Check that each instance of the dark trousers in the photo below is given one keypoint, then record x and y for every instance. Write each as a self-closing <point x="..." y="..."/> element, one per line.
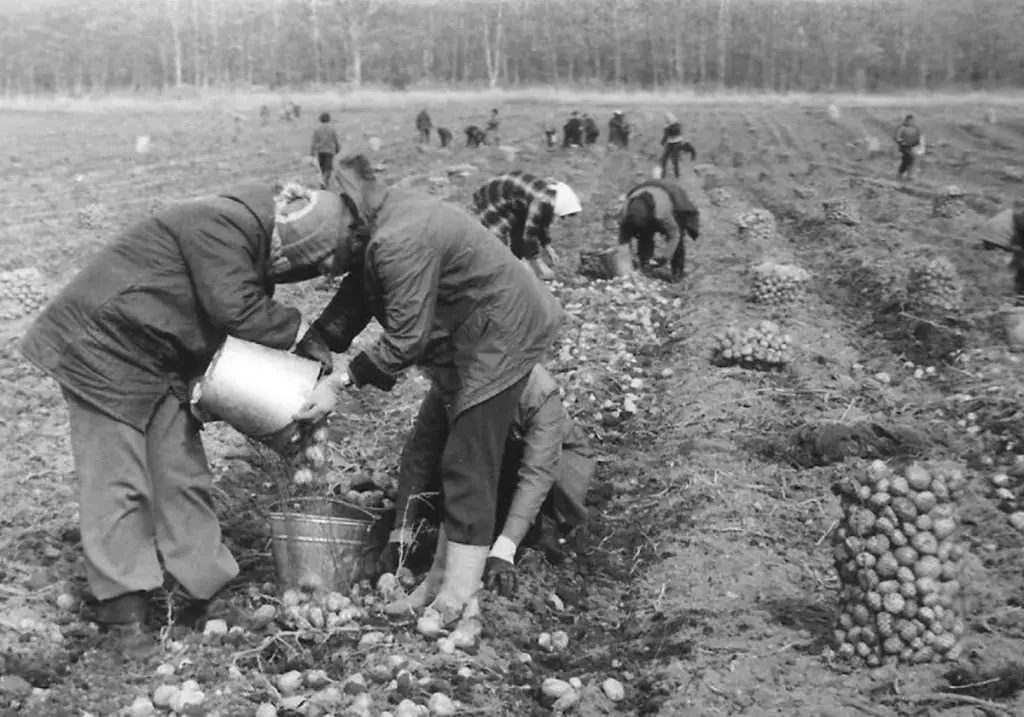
<point x="425" y="135"/>
<point x="471" y="464"/>
<point x="672" y="151"/>
<point x="907" y="159"/>
<point x="325" y="160"/>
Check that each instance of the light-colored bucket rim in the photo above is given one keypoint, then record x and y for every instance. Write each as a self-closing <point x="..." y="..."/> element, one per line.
<point x="274" y="509"/>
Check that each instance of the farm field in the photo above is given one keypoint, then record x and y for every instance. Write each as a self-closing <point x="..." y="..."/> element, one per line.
<point x="704" y="581"/>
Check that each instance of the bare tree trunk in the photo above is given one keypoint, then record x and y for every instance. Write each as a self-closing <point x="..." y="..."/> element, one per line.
<point x="723" y="41"/>
<point x="197" y="47"/>
<point x="617" y="39"/>
<point x="492" y="45"/>
<point x="216" y="66"/>
<point x="172" y="13"/>
<point x="314" y="19"/>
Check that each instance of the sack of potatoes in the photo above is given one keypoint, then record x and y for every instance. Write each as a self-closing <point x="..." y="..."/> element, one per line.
<point x="756" y="225"/>
<point x="934" y="283"/>
<point x="763" y="347"/>
<point x="777" y="283"/>
<point x="898" y="554"/>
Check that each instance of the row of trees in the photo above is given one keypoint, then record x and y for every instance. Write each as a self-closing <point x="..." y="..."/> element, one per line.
<point x="76" y="46"/>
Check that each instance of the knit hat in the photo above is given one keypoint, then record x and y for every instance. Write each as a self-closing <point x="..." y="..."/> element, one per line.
<point x="307" y="228"/>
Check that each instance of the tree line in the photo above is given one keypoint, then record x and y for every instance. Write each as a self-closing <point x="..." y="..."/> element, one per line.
<point x="89" y="46"/>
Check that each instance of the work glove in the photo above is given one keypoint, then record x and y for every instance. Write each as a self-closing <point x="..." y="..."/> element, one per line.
<point x="500" y="577"/>
<point x="312" y="346"/>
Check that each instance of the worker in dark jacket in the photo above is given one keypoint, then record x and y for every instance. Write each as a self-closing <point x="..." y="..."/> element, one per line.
<point x="445" y="136"/>
<point x="1005" y="232"/>
<point x="591" y="133"/>
<point x="672" y="141"/>
<point x="572" y="132"/>
<point x="659" y="207"/>
<point x="493" y="126"/>
<point x="124" y="339"/>
<point x="907" y="138"/>
<point x="456" y="303"/>
<point x="324" y="148"/>
<point x="424" y="125"/>
<point x="475" y="137"/>
<point x="546" y="472"/>
<point x="618" y="130"/>
<point x="519" y="209"/>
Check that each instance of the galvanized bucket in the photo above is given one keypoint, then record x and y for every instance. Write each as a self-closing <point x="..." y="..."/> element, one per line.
<point x="327" y="542"/>
<point x="617" y="261"/>
<point x="257" y="389"/>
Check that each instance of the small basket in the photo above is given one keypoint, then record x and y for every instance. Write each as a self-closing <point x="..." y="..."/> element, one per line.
<point x="329" y="543"/>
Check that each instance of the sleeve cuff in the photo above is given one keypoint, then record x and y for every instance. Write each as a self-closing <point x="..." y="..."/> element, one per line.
<point x="401" y="536"/>
<point x="364" y="371"/>
<point x="504" y="549"/>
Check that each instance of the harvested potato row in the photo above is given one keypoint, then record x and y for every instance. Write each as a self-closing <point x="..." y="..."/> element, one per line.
<point x="949" y="203"/>
<point x="762" y="347"/>
<point x="773" y="283"/>
<point x="935" y="283"/>
<point x="756" y="225"/>
<point x="841" y="211"/>
<point x="22" y="292"/>
<point x="899" y="557"/>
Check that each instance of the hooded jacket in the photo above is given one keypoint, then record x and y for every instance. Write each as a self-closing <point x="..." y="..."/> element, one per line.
<point x="550" y="453"/>
<point x="655" y="206"/>
<point x="449" y="298"/>
<point x="153" y="306"/>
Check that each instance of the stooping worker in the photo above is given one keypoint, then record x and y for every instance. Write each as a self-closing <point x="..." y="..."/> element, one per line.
<point x="657" y="206"/>
<point x="424" y="125"/>
<point x="124" y="339"/>
<point x="456" y="303"/>
<point x="1005" y="232"/>
<point x="572" y="131"/>
<point x="618" y="130"/>
<point x="519" y="208"/>
<point x="672" y="140"/>
<point x="908" y="138"/>
<point x="591" y="133"/>
<point x="325" y="148"/>
<point x="545" y="476"/>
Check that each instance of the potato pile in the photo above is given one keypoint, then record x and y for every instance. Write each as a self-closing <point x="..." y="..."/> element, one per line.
<point x="841" y="211"/>
<point x="949" y="203"/>
<point x="439" y="186"/>
<point x="762" y="347"/>
<point x="756" y="225"/>
<point x="778" y="283"/>
<point x="92" y="216"/>
<point x="898" y="556"/>
<point x="934" y="283"/>
<point x="22" y="292"/>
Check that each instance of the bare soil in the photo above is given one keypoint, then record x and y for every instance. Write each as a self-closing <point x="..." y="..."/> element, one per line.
<point x="704" y="580"/>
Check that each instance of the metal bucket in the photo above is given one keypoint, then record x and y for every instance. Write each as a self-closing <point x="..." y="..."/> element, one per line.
<point x="1013" y="323"/>
<point x="329" y="542"/>
<point x="617" y="261"/>
<point x="257" y="389"/>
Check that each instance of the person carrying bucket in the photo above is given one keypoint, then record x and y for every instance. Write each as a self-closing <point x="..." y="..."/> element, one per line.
<point x="459" y="305"/>
<point x="657" y="206"/>
<point x="124" y="339"/>
<point x="519" y="209"/>
<point x="545" y="475"/>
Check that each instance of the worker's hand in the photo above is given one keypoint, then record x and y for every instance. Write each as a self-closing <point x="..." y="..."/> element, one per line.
<point x="323" y="399"/>
<point x="500" y="577"/>
<point x="551" y="255"/>
<point x="312" y="346"/>
<point x="540" y="269"/>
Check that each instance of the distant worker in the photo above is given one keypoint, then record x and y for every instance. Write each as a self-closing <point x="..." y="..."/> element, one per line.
<point x="672" y="140"/>
<point x="618" y="130"/>
<point x="549" y="136"/>
<point x="493" y="124"/>
<point x="475" y="136"/>
<point x="908" y="139"/>
<point x="445" y="135"/>
<point x="573" y="131"/>
<point x="424" y="125"/>
<point x="1005" y="231"/>
<point x="590" y="131"/>
<point x="658" y="206"/>
<point x="324" y="148"/>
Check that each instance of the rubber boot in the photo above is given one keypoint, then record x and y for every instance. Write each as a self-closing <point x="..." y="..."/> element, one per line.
<point x="431" y="585"/>
<point x="463" y="575"/>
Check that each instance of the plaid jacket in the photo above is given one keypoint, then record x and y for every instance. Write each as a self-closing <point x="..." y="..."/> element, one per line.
<point x="518" y="208"/>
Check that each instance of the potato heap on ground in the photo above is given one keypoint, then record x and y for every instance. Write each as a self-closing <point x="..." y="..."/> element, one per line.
<point x="312" y="467"/>
<point x="898" y="556"/>
<point x="934" y="283"/>
<point x="949" y="203"/>
<point x="719" y="196"/>
<point x="22" y="292"/>
<point x="598" y="361"/>
<point x="756" y="225"/>
<point x="778" y="283"/>
<point x="92" y="216"/>
<point x="841" y="211"/>
<point x="762" y="347"/>
<point x="439" y="186"/>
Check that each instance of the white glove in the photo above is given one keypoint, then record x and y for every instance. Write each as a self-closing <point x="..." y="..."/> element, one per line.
<point x="504" y="549"/>
<point x="303" y="328"/>
<point x="402" y="536"/>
